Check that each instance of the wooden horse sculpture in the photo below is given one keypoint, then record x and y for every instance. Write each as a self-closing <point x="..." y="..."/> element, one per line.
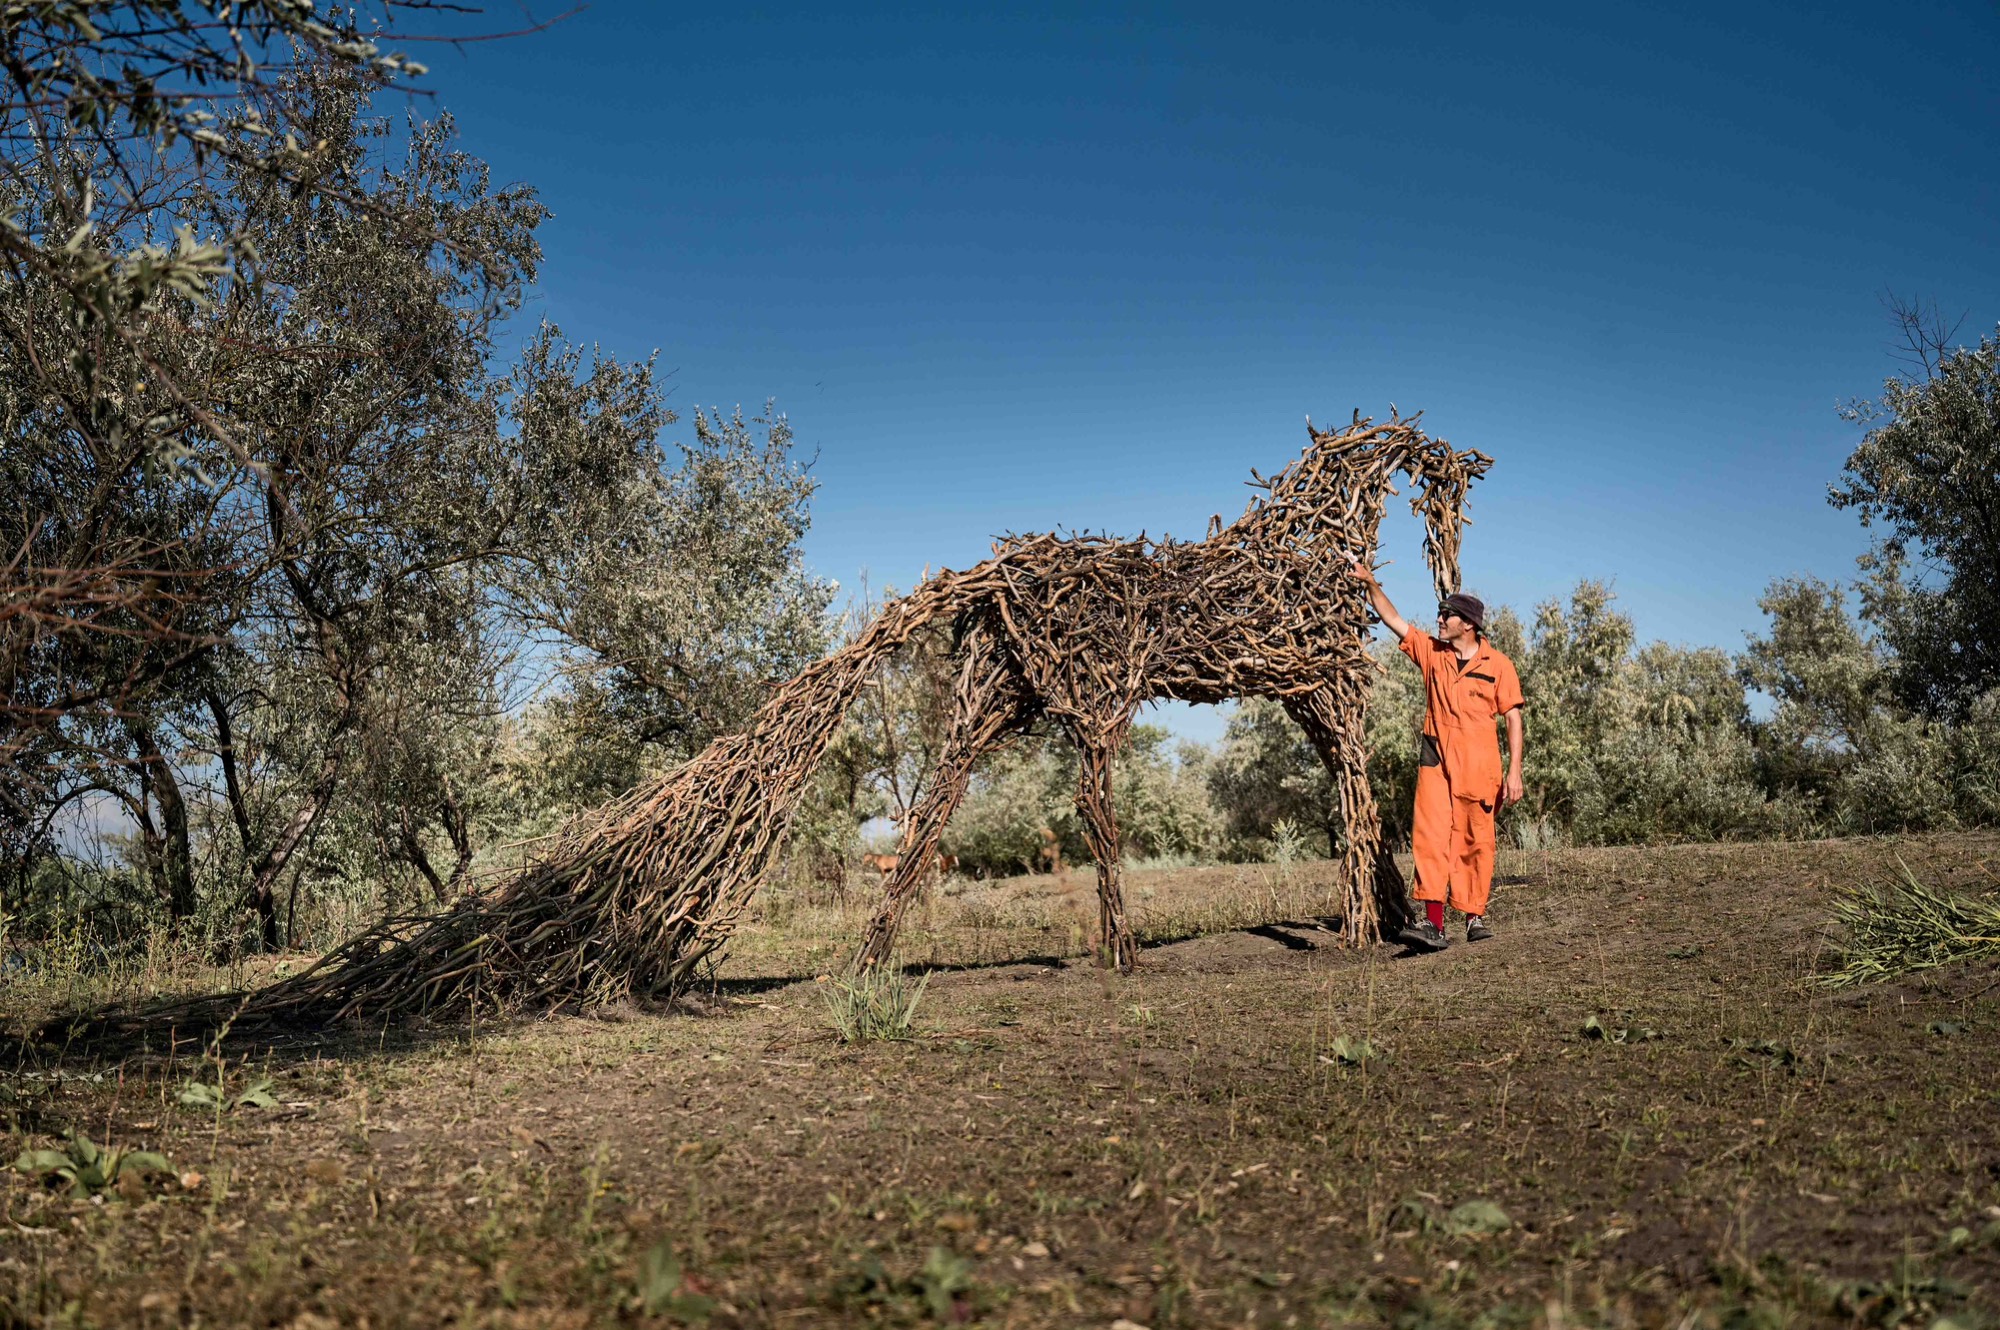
<point x="1084" y="630"/>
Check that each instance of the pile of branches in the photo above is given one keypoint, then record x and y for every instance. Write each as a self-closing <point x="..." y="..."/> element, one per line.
<point x="1081" y="630"/>
<point x="1905" y="925"/>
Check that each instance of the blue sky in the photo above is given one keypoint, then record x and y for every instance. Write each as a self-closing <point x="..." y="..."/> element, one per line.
<point x="1084" y="267"/>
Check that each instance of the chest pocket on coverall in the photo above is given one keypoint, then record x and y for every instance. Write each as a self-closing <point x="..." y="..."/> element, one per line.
<point x="1468" y="745"/>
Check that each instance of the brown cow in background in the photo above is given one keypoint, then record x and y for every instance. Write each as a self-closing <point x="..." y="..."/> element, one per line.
<point x="885" y="864"/>
<point x="1049" y="857"/>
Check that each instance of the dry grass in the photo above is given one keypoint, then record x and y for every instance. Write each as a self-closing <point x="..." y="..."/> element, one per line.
<point x="963" y="922"/>
<point x="1250" y="1130"/>
<point x="1905" y="924"/>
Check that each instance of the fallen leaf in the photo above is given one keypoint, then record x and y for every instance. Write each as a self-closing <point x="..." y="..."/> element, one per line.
<point x="1475" y="1217"/>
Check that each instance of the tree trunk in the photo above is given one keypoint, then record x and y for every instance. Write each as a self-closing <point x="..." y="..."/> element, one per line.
<point x="176" y="854"/>
<point x="458" y="827"/>
<point x="225" y="750"/>
<point x="412" y="846"/>
<point x="264" y="873"/>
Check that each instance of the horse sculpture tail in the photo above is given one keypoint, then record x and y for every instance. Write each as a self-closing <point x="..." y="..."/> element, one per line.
<point x="631" y="897"/>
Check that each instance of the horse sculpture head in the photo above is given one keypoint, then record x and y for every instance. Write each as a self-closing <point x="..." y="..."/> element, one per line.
<point x="1325" y="509"/>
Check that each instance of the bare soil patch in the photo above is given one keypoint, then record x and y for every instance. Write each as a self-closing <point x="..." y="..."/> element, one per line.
<point x="1256" y="1128"/>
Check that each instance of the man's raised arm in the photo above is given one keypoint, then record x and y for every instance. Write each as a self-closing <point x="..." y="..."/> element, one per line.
<point x="1379" y="598"/>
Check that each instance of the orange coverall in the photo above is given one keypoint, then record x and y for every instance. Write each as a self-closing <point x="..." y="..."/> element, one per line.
<point x="1451" y="836"/>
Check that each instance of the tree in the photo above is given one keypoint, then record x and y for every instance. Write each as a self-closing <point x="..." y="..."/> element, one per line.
<point x="1266" y="771"/>
<point x="1628" y="743"/>
<point x="389" y="532"/>
<point x="1839" y="746"/>
<point x="117" y="119"/>
<point x="1825" y="680"/>
<point x="126" y="127"/>
<point x="1162" y="797"/>
<point x="1927" y="472"/>
<point x="668" y="592"/>
<point x="1573" y="671"/>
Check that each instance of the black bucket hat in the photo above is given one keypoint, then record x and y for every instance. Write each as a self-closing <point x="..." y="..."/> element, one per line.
<point x="1470" y="608"/>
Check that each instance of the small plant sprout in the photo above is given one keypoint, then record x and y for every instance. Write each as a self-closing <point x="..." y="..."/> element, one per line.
<point x="878" y="1003"/>
<point x="942" y="1281"/>
<point x="216" y="1098"/>
<point x="662" y="1288"/>
<point x="1288" y="845"/>
<point x="90" y="1169"/>
<point x="1477" y="1219"/>
<point x="1350" y="1051"/>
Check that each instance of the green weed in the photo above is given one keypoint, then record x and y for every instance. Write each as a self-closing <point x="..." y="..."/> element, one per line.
<point x="874" y="1004"/>
<point x="943" y="1284"/>
<point x="660" y="1290"/>
<point x="1288" y="844"/>
<point x="1350" y="1051"/>
<point x="216" y="1098"/>
<point x="90" y="1169"/>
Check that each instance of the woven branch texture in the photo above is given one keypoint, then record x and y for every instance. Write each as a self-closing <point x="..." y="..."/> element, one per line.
<point x="1078" y="630"/>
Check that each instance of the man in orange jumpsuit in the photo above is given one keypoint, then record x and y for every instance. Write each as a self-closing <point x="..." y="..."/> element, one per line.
<point x="1460" y="784"/>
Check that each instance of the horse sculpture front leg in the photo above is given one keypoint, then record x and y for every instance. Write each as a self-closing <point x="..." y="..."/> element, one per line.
<point x="1373" y="897"/>
<point x="1116" y="946"/>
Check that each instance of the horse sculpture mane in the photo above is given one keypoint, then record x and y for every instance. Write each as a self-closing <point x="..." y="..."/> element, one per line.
<point x="632" y="897"/>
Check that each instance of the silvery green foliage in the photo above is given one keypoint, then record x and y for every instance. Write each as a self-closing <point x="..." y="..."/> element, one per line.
<point x="1014" y="794"/>
<point x="1161" y="795"/>
<point x="1927" y="475"/>
<point x="1265" y="772"/>
<point x="1164" y="809"/>
<point x="374" y="494"/>
<point x="128" y="131"/>
<point x="1839" y="742"/>
<point x="669" y="589"/>
<point x="153" y="87"/>
<point x="1826" y="681"/>
<point x="398" y="540"/>
<point x="1630" y="744"/>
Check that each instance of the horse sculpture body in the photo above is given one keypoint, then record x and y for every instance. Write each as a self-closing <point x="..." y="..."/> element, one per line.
<point x="1085" y="630"/>
<point x="1080" y="630"/>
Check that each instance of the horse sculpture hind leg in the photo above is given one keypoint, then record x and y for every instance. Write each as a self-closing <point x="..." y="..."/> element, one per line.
<point x="1116" y="945"/>
<point x="989" y="707"/>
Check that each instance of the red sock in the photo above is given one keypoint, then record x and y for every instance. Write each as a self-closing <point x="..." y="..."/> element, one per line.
<point x="1435" y="910"/>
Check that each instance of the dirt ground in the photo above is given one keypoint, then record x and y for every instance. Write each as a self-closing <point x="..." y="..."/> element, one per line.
<point x="1258" y="1128"/>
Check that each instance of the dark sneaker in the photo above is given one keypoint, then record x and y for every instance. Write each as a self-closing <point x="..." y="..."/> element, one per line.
<point x="1425" y="936"/>
<point x="1476" y="929"/>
